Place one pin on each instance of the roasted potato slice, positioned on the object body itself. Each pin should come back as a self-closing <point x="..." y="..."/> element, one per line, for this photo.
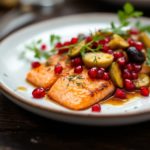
<point x="117" y="42"/>
<point x="143" y="80"/>
<point x="145" y="39"/>
<point x="145" y="69"/>
<point x="115" y="74"/>
<point x="97" y="59"/>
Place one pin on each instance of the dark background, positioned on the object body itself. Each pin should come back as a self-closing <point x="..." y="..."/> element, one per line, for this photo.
<point x="22" y="130"/>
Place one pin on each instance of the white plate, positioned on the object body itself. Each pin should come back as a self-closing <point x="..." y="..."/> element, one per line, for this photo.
<point x="13" y="71"/>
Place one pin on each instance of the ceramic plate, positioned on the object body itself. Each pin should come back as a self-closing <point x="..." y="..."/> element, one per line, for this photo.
<point x="13" y="71"/>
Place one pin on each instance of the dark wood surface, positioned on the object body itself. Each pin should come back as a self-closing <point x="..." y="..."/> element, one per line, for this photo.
<point x="22" y="130"/>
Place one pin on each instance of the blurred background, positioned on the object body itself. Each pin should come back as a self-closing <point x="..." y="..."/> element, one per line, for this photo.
<point x="16" y="14"/>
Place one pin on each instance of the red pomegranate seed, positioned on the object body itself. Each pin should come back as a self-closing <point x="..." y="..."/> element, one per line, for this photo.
<point x="106" y="76"/>
<point x="118" y="55"/>
<point x="88" y="39"/>
<point x="35" y="64"/>
<point x="96" y="108"/>
<point x="131" y="42"/>
<point x="94" y="45"/>
<point x="67" y="43"/>
<point x="78" y="69"/>
<point x="110" y="51"/>
<point x="76" y="61"/>
<point x="137" y="67"/>
<point x="105" y="48"/>
<point x="58" y="45"/>
<point x="38" y="93"/>
<point x="92" y="72"/>
<point x="100" y="73"/>
<point x="58" y="69"/>
<point x="74" y="40"/>
<point x="121" y="61"/>
<point x="129" y="85"/>
<point x="138" y="45"/>
<point x="134" y="75"/>
<point x="129" y="67"/>
<point x="104" y="41"/>
<point x="120" y="94"/>
<point x="43" y="47"/>
<point x="134" y="31"/>
<point x="127" y="74"/>
<point x="144" y="91"/>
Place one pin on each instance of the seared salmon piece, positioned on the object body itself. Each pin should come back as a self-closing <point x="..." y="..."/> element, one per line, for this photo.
<point x="44" y="76"/>
<point x="78" y="91"/>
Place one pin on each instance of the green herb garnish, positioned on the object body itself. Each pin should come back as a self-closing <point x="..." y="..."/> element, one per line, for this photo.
<point x="54" y="39"/>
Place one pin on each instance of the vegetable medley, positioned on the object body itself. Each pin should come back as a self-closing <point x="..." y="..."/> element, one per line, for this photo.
<point x="86" y="69"/>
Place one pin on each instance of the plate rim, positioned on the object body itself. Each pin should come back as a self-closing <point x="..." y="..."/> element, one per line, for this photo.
<point x="6" y="90"/>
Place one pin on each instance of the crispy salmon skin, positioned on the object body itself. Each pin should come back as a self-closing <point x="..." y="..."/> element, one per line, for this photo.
<point x="79" y="91"/>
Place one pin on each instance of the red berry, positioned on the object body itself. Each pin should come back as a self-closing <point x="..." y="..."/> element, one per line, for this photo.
<point x="58" y="69"/>
<point x="144" y="91"/>
<point x="118" y="54"/>
<point x="78" y="69"/>
<point x="76" y="61"/>
<point x="105" y="48"/>
<point x="96" y="108"/>
<point x="100" y="73"/>
<point x="74" y="40"/>
<point x="138" y="46"/>
<point x="137" y="67"/>
<point x="58" y="45"/>
<point x="129" y="67"/>
<point x="88" y="39"/>
<point x="92" y="72"/>
<point x="120" y="94"/>
<point x="127" y="74"/>
<point x="129" y="85"/>
<point x="121" y="61"/>
<point x="134" y="75"/>
<point x="38" y="93"/>
<point x="134" y="31"/>
<point x="43" y="47"/>
<point x="35" y="64"/>
<point x="106" y="76"/>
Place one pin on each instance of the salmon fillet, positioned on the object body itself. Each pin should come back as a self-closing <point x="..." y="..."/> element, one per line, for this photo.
<point x="78" y="91"/>
<point x="44" y="76"/>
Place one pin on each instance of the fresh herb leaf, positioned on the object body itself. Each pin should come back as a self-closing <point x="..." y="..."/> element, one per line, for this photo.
<point x="54" y="38"/>
<point x="148" y="57"/>
<point x="128" y="8"/>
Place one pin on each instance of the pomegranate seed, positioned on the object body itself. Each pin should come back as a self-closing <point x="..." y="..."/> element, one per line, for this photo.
<point x="105" y="76"/>
<point x="105" y="48"/>
<point x="38" y="93"/>
<point x="94" y="45"/>
<point x="92" y="72"/>
<point x="120" y="94"/>
<point x="58" y="45"/>
<point x="134" y="31"/>
<point x="100" y="73"/>
<point x="67" y="43"/>
<point x="129" y="67"/>
<point x="110" y="51"/>
<point x="127" y="74"/>
<point x="104" y="41"/>
<point x="134" y="75"/>
<point x="96" y="108"/>
<point x="131" y="42"/>
<point x="144" y="91"/>
<point x="118" y="55"/>
<point x="129" y="85"/>
<point x="76" y="61"/>
<point x="58" y="69"/>
<point x="74" y="40"/>
<point x="137" y="68"/>
<point x="78" y="69"/>
<point x="138" y="46"/>
<point x="35" y="64"/>
<point x="88" y="39"/>
<point x="43" y="47"/>
<point x="121" y="61"/>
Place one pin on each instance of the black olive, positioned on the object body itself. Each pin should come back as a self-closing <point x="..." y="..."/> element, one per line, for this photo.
<point x="135" y="56"/>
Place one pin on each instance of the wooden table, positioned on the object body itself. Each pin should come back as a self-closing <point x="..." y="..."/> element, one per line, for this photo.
<point x="22" y="130"/>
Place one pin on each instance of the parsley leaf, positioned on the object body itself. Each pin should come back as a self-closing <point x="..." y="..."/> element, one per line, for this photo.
<point x="148" y="57"/>
<point x="54" y="38"/>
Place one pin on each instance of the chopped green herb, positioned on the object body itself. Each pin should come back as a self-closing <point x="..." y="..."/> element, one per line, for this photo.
<point x="54" y="38"/>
